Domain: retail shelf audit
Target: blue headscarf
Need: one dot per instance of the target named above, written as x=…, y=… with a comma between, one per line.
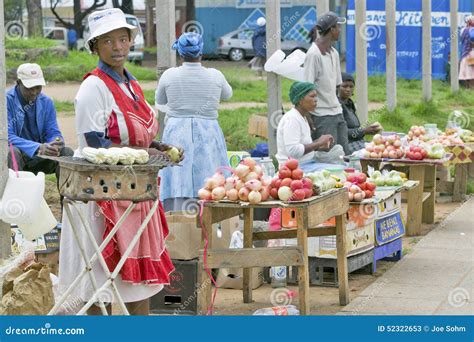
x=189, y=44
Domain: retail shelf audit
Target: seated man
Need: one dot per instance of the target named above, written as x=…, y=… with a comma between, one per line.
x=32, y=126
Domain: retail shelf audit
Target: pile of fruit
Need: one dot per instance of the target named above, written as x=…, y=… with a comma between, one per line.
x=467, y=135
x=384, y=147
x=246, y=184
x=358, y=186
x=290, y=185
x=448, y=140
x=416, y=153
x=392, y=178
x=323, y=180
x=417, y=133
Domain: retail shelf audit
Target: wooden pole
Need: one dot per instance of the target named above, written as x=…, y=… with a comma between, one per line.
x=5, y=240
x=426, y=37
x=454, y=72
x=391, y=51
x=361, y=61
x=273, y=80
x=165, y=36
x=149, y=23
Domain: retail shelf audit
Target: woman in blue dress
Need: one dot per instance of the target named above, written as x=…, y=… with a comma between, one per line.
x=190, y=96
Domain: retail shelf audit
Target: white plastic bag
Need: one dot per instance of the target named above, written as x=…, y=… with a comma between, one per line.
x=334, y=156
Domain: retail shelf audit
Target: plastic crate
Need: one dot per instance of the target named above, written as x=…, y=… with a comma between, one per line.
x=180, y=296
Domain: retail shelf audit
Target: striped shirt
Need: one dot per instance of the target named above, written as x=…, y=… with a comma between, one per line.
x=192, y=91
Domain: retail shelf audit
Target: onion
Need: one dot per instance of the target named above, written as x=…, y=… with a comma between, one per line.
x=239, y=184
x=229, y=183
x=220, y=179
x=255, y=197
x=284, y=193
x=258, y=170
x=266, y=180
x=354, y=189
x=242, y=170
x=358, y=196
x=244, y=194
x=232, y=195
x=218, y=193
x=250, y=162
x=265, y=192
x=252, y=175
x=210, y=183
x=253, y=185
x=351, y=196
x=204, y=194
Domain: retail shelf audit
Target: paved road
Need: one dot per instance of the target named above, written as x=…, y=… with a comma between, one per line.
x=437, y=278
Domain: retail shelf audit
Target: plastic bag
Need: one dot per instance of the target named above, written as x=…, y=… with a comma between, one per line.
x=28, y=291
x=334, y=156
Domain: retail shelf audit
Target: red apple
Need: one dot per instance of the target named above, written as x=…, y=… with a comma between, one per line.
x=274, y=193
x=352, y=178
x=368, y=194
x=307, y=183
x=284, y=172
x=362, y=186
x=296, y=184
x=292, y=164
x=308, y=192
x=361, y=177
x=298, y=195
x=286, y=182
x=297, y=174
x=370, y=186
x=417, y=156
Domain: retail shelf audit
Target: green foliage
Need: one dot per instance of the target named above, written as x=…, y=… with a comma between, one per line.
x=30, y=43
x=234, y=124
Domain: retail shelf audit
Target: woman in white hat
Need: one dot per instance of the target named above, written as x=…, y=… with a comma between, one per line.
x=112, y=111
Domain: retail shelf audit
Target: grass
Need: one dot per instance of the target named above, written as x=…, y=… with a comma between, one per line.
x=234, y=124
x=30, y=43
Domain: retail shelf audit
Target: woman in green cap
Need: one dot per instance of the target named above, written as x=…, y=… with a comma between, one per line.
x=294, y=131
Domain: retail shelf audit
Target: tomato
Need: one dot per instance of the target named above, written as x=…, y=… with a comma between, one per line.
x=368, y=194
x=417, y=156
x=370, y=186
x=361, y=178
x=362, y=186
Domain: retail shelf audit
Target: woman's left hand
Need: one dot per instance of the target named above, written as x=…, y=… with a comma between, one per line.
x=165, y=147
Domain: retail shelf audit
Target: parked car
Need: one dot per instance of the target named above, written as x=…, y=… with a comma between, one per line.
x=237, y=45
x=58, y=34
x=137, y=50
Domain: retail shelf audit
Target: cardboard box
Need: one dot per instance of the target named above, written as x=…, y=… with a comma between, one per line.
x=232, y=278
x=358, y=240
x=258, y=126
x=184, y=238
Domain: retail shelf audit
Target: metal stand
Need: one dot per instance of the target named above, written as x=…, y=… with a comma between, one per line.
x=110, y=282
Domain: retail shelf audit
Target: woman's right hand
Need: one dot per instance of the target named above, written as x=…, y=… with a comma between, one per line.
x=372, y=129
x=324, y=142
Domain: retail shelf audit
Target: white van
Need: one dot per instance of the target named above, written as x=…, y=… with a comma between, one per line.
x=137, y=50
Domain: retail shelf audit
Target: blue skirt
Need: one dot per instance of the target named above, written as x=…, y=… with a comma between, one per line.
x=204, y=151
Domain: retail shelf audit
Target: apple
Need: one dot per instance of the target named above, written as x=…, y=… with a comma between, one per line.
x=368, y=194
x=361, y=177
x=297, y=174
x=307, y=183
x=286, y=182
x=378, y=139
x=274, y=193
x=295, y=185
x=298, y=195
x=370, y=186
x=417, y=155
x=308, y=192
x=284, y=172
x=291, y=164
x=393, y=155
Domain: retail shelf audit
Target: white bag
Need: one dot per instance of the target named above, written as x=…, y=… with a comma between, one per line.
x=21, y=197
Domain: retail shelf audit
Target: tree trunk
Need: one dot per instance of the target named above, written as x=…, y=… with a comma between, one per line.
x=35, y=18
x=149, y=38
x=78, y=18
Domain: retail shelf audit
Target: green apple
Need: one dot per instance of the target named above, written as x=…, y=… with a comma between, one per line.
x=174, y=154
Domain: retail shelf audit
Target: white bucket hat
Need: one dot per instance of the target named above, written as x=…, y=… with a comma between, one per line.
x=101, y=22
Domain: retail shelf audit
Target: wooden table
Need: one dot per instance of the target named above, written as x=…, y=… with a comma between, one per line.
x=310, y=213
x=421, y=199
x=463, y=170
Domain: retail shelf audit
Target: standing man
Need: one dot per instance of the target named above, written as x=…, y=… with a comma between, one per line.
x=32, y=126
x=322, y=67
x=259, y=44
x=72, y=39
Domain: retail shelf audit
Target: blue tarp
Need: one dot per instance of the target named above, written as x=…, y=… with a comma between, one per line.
x=409, y=36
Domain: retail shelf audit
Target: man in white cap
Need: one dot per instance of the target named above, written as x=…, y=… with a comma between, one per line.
x=32, y=126
x=322, y=67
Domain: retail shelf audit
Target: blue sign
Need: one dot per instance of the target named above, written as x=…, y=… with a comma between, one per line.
x=260, y=3
x=389, y=228
x=409, y=36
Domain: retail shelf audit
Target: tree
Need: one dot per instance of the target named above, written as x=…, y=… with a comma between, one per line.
x=79, y=15
x=35, y=18
x=126, y=6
